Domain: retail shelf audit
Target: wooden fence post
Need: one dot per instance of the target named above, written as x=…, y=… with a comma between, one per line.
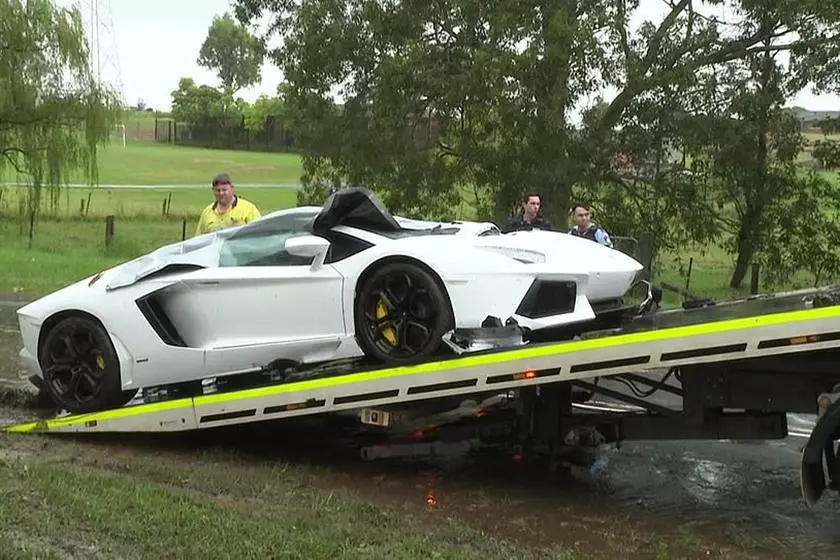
x=109, y=230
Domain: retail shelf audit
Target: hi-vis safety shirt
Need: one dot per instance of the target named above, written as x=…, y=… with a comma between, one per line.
x=240, y=213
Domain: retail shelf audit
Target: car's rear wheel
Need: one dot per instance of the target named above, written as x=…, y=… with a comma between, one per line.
x=80, y=366
x=401, y=313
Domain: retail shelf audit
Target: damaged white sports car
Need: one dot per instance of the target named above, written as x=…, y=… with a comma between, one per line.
x=306, y=285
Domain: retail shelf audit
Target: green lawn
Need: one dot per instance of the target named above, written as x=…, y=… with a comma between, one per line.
x=150, y=163
x=164, y=164
x=66, y=251
x=144, y=203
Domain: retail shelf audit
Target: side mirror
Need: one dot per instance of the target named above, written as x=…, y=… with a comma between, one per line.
x=308, y=246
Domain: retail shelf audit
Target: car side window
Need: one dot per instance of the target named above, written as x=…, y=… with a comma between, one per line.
x=260, y=250
x=263, y=242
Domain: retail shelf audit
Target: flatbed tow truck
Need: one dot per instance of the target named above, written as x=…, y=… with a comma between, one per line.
x=734, y=369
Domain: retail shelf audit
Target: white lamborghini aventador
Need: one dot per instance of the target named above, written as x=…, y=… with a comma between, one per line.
x=306, y=285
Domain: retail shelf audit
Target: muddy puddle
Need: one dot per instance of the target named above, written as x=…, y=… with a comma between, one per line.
x=745, y=491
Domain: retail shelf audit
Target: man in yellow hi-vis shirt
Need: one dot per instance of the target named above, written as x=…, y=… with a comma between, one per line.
x=227, y=210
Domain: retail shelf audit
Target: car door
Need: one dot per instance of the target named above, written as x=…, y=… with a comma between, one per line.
x=262, y=304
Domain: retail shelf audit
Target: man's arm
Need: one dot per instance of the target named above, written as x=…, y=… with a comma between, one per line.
x=253, y=213
x=202, y=223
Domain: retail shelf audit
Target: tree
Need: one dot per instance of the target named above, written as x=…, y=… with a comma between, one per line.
x=764, y=202
x=53, y=114
x=827, y=154
x=448, y=93
x=213, y=116
x=233, y=52
x=643, y=188
x=262, y=111
x=204, y=105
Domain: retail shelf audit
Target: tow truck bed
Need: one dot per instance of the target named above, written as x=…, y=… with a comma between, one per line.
x=748, y=329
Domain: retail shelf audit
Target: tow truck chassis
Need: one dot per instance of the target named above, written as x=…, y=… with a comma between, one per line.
x=731, y=370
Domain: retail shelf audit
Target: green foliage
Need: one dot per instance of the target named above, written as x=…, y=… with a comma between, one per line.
x=830, y=126
x=233, y=52
x=640, y=185
x=815, y=56
x=439, y=95
x=767, y=210
x=53, y=114
x=827, y=153
x=804, y=233
x=202, y=105
x=265, y=108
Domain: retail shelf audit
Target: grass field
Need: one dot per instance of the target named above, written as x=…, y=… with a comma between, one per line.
x=149, y=163
x=145, y=203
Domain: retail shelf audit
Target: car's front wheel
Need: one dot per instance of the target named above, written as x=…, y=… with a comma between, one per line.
x=401, y=313
x=80, y=366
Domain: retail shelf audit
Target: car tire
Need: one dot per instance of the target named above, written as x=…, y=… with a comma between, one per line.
x=401, y=313
x=81, y=368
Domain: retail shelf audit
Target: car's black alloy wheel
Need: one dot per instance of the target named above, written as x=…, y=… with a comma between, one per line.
x=401, y=313
x=81, y=368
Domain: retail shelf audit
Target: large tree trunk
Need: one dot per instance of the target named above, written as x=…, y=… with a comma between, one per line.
x=750, y=230
x=742, y=264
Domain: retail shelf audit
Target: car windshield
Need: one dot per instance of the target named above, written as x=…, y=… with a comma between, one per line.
x=263, y=242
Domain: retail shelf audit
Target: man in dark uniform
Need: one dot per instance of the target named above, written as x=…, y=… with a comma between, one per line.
x=530, y=218
x=585, y=228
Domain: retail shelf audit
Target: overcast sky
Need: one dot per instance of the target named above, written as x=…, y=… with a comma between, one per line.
x=151, y=44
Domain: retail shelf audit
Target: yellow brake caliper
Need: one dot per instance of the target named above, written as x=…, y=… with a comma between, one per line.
x=100, y=362
x=388, y=332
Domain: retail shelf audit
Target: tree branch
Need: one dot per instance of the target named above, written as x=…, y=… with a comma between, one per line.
x=8, y=153
x=447, y=150
x=622, y=32
x=656, y=41
x=634, y=81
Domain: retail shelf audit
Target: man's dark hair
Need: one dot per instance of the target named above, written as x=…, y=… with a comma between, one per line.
x=222, y=179
x=583, y=205
x=528, y=196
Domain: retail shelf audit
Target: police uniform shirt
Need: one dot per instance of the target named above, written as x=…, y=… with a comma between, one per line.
x=593, y=233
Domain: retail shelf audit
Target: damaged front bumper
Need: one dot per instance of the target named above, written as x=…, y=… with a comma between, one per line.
x=492, y=335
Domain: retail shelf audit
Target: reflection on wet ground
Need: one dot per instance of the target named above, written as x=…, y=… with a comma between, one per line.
x=744, y=488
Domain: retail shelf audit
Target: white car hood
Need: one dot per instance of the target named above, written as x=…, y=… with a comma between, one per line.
x=559, y=250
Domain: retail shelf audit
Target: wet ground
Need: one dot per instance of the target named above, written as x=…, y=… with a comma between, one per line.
x=746, y=491
x=11, y=374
